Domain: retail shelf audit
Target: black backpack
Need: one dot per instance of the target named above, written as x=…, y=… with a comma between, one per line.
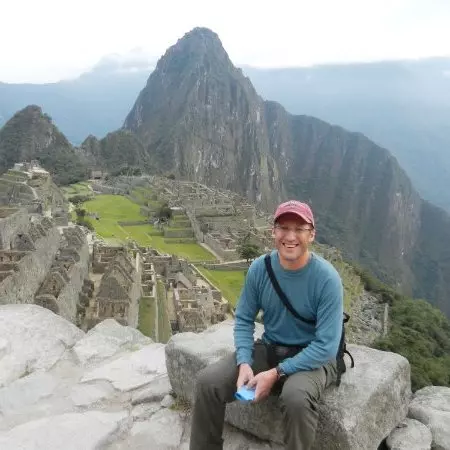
x=342, y=350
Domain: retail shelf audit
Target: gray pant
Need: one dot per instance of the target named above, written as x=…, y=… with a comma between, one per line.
x=300, y=393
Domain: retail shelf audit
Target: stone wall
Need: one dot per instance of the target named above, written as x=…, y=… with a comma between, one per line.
x=105, y=189
x=120, y=290
x=182, y=233
x=214, y=244
x=20, y=286
x=135, y=292
x=227, y=266
x=68, y=299
x=12, y=222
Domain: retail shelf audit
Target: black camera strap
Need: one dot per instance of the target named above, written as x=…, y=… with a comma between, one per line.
x=281, y=294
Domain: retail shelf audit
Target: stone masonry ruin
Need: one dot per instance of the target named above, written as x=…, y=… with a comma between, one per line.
x=218, y=218
x=30, y=186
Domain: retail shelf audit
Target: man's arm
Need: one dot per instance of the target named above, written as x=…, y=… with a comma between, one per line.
x=245, y=315
x=325, y=345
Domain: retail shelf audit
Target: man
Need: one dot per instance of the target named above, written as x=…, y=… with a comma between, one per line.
x=314, y=289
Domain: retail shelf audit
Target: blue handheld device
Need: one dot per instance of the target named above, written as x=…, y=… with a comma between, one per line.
x=245, y=394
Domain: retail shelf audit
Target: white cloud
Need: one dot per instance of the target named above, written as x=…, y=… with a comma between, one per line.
x=53, y=39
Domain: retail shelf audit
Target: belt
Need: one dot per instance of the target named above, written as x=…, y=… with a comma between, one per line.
x=278, y=352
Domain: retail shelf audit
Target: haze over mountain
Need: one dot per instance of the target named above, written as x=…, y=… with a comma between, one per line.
x=403, y=106
x=94, y=103
x=200, y=118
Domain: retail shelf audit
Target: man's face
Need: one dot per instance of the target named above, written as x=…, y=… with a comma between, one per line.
x=292, y=237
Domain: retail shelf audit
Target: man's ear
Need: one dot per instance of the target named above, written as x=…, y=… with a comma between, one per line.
x=312, y=235
x=273, y=231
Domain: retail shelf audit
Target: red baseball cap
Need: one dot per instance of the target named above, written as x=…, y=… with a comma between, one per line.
x=295, y=207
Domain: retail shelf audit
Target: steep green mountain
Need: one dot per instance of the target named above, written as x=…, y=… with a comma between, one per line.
x=94, y=103
x=401, y=105
x=30, y=134
x=200, y=118
x=115, y=150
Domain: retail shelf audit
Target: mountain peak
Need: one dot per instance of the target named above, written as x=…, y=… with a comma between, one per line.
x=30, y=134
x=200, y=48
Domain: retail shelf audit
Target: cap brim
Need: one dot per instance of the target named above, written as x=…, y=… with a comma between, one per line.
x=296, y=213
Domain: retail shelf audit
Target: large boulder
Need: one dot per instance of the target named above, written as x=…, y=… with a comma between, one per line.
x=410, y=435
x=107, y=339
x=87, y=431
x=32, y=338
x=431, y=406
x=372, y=399
x=107, y=388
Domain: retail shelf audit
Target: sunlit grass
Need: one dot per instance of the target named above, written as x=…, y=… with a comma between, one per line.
x=230, y=282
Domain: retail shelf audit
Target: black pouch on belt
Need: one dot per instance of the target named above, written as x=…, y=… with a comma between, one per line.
x=277, y=353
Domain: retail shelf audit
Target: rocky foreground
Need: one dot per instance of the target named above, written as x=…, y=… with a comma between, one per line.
x=111, y=389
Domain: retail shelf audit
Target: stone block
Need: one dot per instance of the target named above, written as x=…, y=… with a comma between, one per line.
x=431, y=406
x=73, y=431
x=36, y=338
x=372, y=399
x=410, y=435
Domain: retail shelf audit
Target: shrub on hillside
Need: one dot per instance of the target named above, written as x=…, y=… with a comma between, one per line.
x=85, y=223
x=421, y=333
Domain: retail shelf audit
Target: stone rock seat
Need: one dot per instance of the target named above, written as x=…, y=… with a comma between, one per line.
x=371, y=400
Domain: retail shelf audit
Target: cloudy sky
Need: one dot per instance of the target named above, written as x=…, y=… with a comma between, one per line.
x=48, y=40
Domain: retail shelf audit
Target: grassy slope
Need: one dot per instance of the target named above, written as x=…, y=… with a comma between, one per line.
x=229, y=282
x=114, y=208
x=147, y=312
x=164, y=329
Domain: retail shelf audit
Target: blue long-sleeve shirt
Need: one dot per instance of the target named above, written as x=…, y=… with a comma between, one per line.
x=315, y=292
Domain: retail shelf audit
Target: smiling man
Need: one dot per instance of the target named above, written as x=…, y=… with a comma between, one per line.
x=296, y=356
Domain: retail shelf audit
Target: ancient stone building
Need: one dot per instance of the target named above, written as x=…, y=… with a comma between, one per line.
x=60, y=290
x=119, y=290
x=30, y=186
x=42, y=260
x=29, y=244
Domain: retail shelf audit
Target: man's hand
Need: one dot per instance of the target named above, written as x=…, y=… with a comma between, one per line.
x=264, y=382
x=245, y=375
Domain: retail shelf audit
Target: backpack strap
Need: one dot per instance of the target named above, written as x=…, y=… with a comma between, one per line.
x=281, y=294
x=351, y=357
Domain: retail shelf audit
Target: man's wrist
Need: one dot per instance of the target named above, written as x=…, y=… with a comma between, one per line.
x=274, y=374
x=243, y=364
x=281, y=374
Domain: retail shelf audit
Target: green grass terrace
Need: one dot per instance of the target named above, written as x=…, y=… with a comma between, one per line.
x=112, y=209
x=229, y=282
x=81, y=188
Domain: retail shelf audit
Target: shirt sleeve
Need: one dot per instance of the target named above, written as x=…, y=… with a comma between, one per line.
x=323, y=348
x=245, y=315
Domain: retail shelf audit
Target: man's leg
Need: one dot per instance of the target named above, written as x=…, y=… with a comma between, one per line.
x=299, y=398
x=216, y=386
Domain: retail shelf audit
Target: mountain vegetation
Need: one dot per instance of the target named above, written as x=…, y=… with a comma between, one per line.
x=403, y=106
x=200, y=118
x=418, y=331
x=30, y=134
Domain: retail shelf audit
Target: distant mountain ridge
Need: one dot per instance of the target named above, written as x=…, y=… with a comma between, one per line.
x=403, y=106
x=201, y=119
x=30, y=134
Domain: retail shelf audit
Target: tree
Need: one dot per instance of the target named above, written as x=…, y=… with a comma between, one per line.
x=80, y=212
x=248, y=251
x=164, y=213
